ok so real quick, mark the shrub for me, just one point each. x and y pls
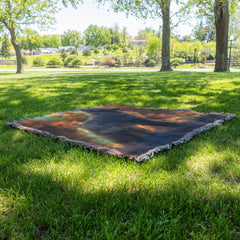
(109, 48)
(63, 54)
(175, 64)
(131, 46)
(195, 56)
(118, 52)
(38, 62)
(138, 62)
(74, 51)
(125, 50)
(97, 62)
(203, 59)
(109, 61)
(150, 62)
(73, 61)
(24, 60)
(130, 63)
(105, 52)
(178, 60)
(86, 52)
(115, 46)
(54, 62)
(119, 60)
(236, 54)
(96, 50)
(180, 54)
(68, 60)
(122, 45)
(126, 59)
(76, 62)
(211, 57)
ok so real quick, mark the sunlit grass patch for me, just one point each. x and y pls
(52, 190)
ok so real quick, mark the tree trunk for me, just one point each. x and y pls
(221, 12)
(17, 48)
(165, 8)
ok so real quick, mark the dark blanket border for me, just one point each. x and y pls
(139, 158)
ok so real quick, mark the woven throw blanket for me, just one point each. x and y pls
(136, 133)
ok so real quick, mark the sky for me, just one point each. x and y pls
(88, 13)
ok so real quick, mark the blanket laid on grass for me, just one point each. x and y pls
(136, 133)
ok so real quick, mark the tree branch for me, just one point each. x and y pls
(5, 23)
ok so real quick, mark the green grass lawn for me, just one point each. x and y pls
(53, 190)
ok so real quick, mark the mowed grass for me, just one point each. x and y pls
(53, 190)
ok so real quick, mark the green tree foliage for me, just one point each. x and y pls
(145, 34)
(97, 36)
(154, 48)
(5, 49)
(96, 50)
(144, 9)
(234, 25)
(86, 52)
(205, 33)
(31, 40)
(63, 54)
(124, 35)
(17, 15)
(193, 50)
(72, 38)
(74, 3)
(139, 51)
(150, 62)
(35, 41)
(51, 41)
(77, 62)
(74, 51)
(68, 60)
(115, 35)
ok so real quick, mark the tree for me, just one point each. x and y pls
(144, 35)
(144, 9)
(72, 38)
(5, 50)
(115, 35)
(51, 41)
(234, 25)
(221, 10)
(154, 48)
(31, 41)
(97, 36)
(165, 9)
(205, 32)
(124, 35)
(63, 54)
(15, 15)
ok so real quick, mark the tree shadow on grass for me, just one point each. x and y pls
(110, 198)
(42, 206)
(36, 95)
(87, 89)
